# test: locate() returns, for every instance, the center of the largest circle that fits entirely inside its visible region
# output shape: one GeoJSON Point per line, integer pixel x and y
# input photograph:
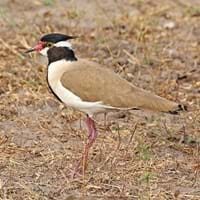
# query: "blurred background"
{"type": "Point", "coordinates": [139, 155]}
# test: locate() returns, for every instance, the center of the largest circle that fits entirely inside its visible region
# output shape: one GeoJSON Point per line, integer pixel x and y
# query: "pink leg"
{"type": "Point", "coordinates": [91, 139]}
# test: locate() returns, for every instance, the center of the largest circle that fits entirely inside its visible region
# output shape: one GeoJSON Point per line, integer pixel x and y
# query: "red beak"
{"type": "Point", "coordinates": [38, 47]}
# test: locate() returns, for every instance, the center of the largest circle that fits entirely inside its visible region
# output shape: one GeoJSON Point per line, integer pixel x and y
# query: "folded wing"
{"type": "Point", "coordinates": [92, 82]}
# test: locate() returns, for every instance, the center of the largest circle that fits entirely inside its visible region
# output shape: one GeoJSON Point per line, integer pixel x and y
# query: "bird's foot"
{"type": "Point", "coordinates": [81, 165]}
{"type": "Point", "coordinates": [76, 170]}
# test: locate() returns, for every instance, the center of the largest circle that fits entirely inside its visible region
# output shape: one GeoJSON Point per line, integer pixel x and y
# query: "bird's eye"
{"type": "Point", "coordinates": [49, 44]}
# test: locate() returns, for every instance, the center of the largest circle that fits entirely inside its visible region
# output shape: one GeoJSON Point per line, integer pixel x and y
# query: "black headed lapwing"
{"type": "Point", "coordinates": [92, 88]}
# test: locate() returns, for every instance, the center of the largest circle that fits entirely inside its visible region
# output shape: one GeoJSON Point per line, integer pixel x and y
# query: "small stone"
{"type": "Point", "coordinates": [1, 184]}
{"type": "Point", "coordinates": [169, 25]}
{"type": "Point", "coordinates": [176, 193]}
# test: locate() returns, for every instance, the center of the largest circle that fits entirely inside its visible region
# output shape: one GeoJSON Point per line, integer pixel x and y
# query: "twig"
{"type": "Point", "coordinates": [119, 138]}
{"type": "Point", "coordinates": [10, 48]}
{"type": "Point", "coordinates": [132, 134]}
{"type": "Point", "coordinates": [133, 58]}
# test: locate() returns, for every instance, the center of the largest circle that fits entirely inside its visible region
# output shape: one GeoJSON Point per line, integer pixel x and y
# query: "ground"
{"type": "Point", "coordinates": [138, 155]}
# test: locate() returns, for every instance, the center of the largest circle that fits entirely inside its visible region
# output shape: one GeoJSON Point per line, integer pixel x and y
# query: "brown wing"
{"type": "Point", "coordinates": [91, 82]}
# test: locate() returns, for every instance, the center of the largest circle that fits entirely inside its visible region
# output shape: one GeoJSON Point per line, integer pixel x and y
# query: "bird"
{"type": "Point", "coordinates": [93, 88]}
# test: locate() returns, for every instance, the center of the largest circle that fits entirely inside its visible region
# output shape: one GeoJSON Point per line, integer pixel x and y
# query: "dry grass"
{"type": "Point", "coordinates": [155, 45]}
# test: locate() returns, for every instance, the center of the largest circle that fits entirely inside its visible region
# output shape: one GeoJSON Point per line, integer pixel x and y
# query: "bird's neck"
{"type": "Point", "coordinates": [60, 53]}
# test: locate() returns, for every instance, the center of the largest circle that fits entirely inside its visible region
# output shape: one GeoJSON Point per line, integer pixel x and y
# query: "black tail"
{"type": "Point", "coordinates": [180, 108]}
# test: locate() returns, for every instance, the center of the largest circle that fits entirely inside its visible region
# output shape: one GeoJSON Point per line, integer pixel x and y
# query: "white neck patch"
{"type": "Point", "coordinates": [63, 44]}
{"type": "Point", "coordinates": [44, 51]}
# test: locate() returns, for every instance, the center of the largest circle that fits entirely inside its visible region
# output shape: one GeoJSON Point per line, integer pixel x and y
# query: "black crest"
{"type": "Point", "coordinates": [56, 37]}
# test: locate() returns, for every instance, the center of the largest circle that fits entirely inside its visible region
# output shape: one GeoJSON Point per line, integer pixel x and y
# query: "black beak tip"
{"type": "Point", "coordinates": [73, 37]}
{"type": "Point", "coordinates": [29, 50]}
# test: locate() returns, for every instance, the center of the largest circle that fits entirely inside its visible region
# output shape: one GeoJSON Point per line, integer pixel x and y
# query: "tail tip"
{"type": "Point", "coordinates": [181, 107]}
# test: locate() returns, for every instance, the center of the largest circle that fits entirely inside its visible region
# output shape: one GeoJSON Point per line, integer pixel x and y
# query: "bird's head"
{"type": "Point", "coordinates": [51, 40]}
